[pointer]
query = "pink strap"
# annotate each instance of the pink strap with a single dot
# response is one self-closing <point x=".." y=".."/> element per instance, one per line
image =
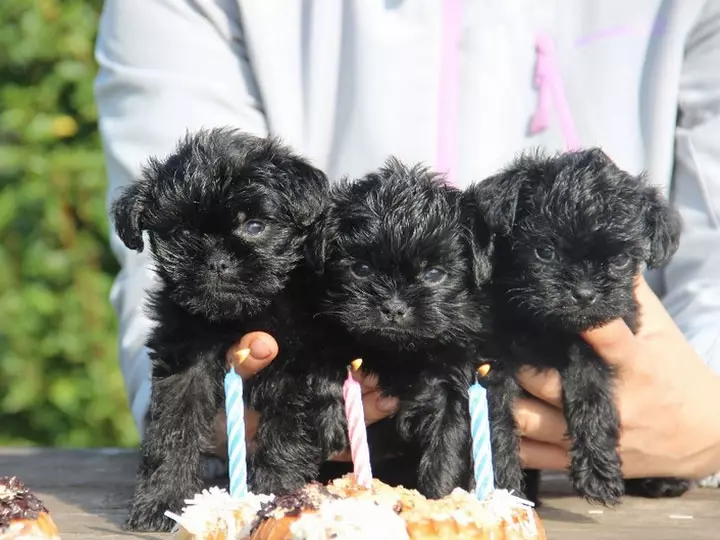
<point x="541" y="119"/>
<point x="551" y="91"/>
<point x="448" y="91"/>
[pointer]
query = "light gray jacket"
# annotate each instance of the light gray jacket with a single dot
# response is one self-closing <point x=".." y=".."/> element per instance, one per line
<point x="461" y="84"/>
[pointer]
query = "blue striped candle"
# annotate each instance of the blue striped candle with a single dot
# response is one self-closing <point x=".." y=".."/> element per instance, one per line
<point x="481" y="450"/>
<point x="235" y="411"/>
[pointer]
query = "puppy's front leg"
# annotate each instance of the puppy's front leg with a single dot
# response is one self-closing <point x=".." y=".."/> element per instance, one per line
<point x="180" y="424"/>
<point x="502" y="391"/>
<point x="593" y="426"/>
<point x="437" y="417"/>
<point x="295" y="437"/>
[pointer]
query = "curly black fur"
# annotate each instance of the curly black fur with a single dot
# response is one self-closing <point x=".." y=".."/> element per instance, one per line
<point x="396" y="275"/>
<point x="572" y="231"/>
<point x="299" y="396"/>
<point x="227" y="215"/>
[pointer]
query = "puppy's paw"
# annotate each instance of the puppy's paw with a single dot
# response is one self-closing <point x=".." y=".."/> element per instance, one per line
<point x="149" y="518"/>
<point x="431" y="491"/>
<point x="657" y="488"/>
<point x="511" y="478"/>
<point x="269" y="480"/>
<point x="597" y="487"/>
<point x="596" y="474"/>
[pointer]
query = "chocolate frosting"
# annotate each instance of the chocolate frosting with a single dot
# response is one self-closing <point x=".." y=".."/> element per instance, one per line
<point x="293" y="504"/>
<point x="17" y="502"/>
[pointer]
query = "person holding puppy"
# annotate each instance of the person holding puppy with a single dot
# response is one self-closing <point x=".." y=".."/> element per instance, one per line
<point x="463" y="87"/>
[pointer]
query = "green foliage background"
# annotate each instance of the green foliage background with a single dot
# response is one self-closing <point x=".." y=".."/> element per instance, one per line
<point x="60" y="383"/>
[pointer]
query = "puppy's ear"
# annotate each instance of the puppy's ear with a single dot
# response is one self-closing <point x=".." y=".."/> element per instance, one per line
<point x="479" y="238"/>
<point x="303" y="186"/>
<point x="128" y="213"/>
<point x="311" y="193"/>
<point x="496" y="200"/>
<point x="663" y="227"/>
<point x="315" y="245"/>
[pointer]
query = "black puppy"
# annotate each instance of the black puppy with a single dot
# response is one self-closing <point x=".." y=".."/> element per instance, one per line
<point x="396" y="273"/>
<point x="227" y="215"/>
<point x="572" y="232"/>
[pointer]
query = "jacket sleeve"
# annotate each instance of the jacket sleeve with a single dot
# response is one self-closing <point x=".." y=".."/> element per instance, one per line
<point x="166" y="67"/>
<point x="693" y="278"/>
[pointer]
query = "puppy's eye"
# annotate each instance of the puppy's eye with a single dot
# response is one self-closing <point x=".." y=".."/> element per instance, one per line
<point x="434" y="276"/>
<point x="545" y="254"/>
<point x="254" y="227"/>
<point x="182" y="232"/>
<point x="361" y="269"/>
<point x="621" y="262"/>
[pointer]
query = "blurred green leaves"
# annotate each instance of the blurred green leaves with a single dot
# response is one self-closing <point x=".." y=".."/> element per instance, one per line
<point x="59" y="377"/>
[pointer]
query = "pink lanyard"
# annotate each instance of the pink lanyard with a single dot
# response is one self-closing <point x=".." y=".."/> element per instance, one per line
<point x="449" y="90"/>
<point x="551" y="92"/>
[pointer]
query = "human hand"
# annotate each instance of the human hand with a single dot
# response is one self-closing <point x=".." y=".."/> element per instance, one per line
<point x="666" y="398"/>
<point x="263" y="350"/>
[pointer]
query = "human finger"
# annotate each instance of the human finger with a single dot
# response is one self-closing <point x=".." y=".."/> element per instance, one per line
<point x="614" y="342"/>
<point x="541" y="422"/>
<point x="345" y="455"/>
<point x="368" y="381"/>
<point x="543" y="384"/>
<point x="539" y="455"/>
<point x="252" y="420"/>
<point x="376" y="406"/>
<point x="252" y="353"/>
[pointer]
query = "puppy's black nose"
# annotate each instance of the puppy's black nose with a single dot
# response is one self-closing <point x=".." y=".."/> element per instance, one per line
<point x="395" y="310"/>
<point x="219" y="265"/>
<point x="585" y="295"/>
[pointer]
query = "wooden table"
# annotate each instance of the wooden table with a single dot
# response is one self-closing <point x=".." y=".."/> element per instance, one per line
<point x="87" y="492"/>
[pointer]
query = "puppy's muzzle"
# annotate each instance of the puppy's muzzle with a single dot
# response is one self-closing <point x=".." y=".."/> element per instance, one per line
<point x="394" y="311"/>
<point x="584" y="295"/>
<point x="221" y="266"/>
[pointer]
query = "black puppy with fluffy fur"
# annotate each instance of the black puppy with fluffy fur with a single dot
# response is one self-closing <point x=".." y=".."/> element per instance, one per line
<point x="572" y="232"/>
<point x="396" y="275"/>
<point x="227" y="215"/>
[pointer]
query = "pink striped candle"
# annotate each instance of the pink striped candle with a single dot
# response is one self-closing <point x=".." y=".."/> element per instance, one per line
<point x="352" y="393"/>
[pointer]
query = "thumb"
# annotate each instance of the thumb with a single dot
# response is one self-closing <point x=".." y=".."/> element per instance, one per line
<point x="252" y="353"/>
<point x="615" y="343"/>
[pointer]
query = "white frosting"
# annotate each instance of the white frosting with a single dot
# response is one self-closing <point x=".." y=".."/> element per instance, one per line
<point x="502" y="503"/>
<point x="350" y="519"/>
<point x="214" y="511"/>
<point x="500" y="506"/>
<point x="6" y="494"/>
